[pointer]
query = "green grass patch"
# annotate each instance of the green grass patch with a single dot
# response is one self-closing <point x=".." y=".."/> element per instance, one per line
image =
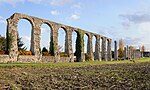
<point x="73" y="64"/>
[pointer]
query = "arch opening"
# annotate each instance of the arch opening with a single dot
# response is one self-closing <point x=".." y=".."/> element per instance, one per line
<point x="94" y="46"/>
<point x="85" y="42"/>
<point x="107" y="51"/>
<point x="45" y="39"/>
<point x="24" y="34"/>
<point x="61" y="42"/>
<point x="74" y="38"/>
<point x="101" y="47"/>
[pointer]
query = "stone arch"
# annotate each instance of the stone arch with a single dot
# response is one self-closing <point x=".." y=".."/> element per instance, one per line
<point x="62" y="36"/>
<point x="74" y="45"/>
<point x="86" y="36"/>
<point x="89" y="47"/>
<point x="107" y="48"/>
<point x="79" y="53"/>
<point x="45" y="29"/>
<point x="25" y="37"/>
<point x="19" y="17"/>
<point x="74" y="37"/>
<point x="101" y="39"/>
<point x="94" y="38"/>
<point x="97" y="54"/>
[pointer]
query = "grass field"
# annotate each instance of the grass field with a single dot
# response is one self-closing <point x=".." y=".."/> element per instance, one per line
<point x="82" y="75"/>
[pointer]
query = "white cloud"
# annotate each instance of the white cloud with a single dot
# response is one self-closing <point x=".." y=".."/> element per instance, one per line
<point x="55" y="12"/>
<point x="2" y="20"/>
<point x="141" y="23"/>
<point x="12" y="2"/>
<point x="51" y="2"/>
<point x="78" y="5"/>
<point x="26" y="38"/>
<point x="137" y="18"/>
<point x="75" y="16"/>
<point x="60" y="2"/>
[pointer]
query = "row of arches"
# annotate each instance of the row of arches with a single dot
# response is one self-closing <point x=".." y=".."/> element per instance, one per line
<point x="51" y="35"/>
<point x="25" y="29"/>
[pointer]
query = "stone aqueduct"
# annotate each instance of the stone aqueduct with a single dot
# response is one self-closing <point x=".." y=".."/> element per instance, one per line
<point x="35" y="42"/>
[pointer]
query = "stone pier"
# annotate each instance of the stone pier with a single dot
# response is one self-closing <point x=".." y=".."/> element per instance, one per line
<point x="125" y="53"/>
<point x="115" y="51"/>
<point x="104" y="52"/>
<point x="109" y="55"/>
<point x="97" y="55"/>
<point x="90" y="47"/>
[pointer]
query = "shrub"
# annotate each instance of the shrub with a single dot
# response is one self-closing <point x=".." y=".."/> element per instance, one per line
<point x="87" y="57"/>
<point x="64" y="55"/>
<point x="20" y="52"/>
<point x="46" y="54"/>
<point x="3" y="52"/>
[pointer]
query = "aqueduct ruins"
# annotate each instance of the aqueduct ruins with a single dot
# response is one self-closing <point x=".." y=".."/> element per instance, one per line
<point x="12" y="47"/>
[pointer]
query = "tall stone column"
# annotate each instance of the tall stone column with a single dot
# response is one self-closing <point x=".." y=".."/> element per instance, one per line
<point x="97" y="49"/>
<point x="80" y="56"/>
<point x="127" y="49"/>
<point x="54" y="43"/>
<point x="115" y="51"/>
<point x="130" y="53"/>
<point x="12" y="46"/>
<point x="109" y="55"/>
<point x="68" y="45"/>
<point x="104" y="56"/>
<point x="35" y="38"/>
<point x="125" y="53"/>
<point x="90" y="47"/>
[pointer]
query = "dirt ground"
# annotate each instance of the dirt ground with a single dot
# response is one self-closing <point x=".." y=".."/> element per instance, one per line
<point x="134" y="76"/>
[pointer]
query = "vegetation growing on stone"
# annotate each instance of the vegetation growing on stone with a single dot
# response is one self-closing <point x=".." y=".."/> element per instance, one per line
<point x="52" y="47"/>
<point x="79" y="43"/>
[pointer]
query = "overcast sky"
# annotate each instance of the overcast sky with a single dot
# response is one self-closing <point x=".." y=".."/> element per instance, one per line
<point x="126" y="19"/>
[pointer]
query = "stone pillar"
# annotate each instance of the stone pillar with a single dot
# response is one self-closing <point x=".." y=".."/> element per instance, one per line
<point x="127" y="49"/>
<point x="90" y="47"/>
<point x="109" y="55"/>
<point x="125" y="53"/>
<point x="54" y="43"/>
<point x="104" y="56"/>
<point x="130" y="53"/>
<point x="35" y="38"/>
<point x="134" y="54"/>
<point x="68" y="45"/>
<point x="97" y="49"/>
<point x="12" y="46"/>
<point x="115" y="51"/>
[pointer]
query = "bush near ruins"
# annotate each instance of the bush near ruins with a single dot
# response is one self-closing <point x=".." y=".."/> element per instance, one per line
<point x="87" y="57"/>
<point x="21" y="52"/>
<point x="63" y="54"/>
